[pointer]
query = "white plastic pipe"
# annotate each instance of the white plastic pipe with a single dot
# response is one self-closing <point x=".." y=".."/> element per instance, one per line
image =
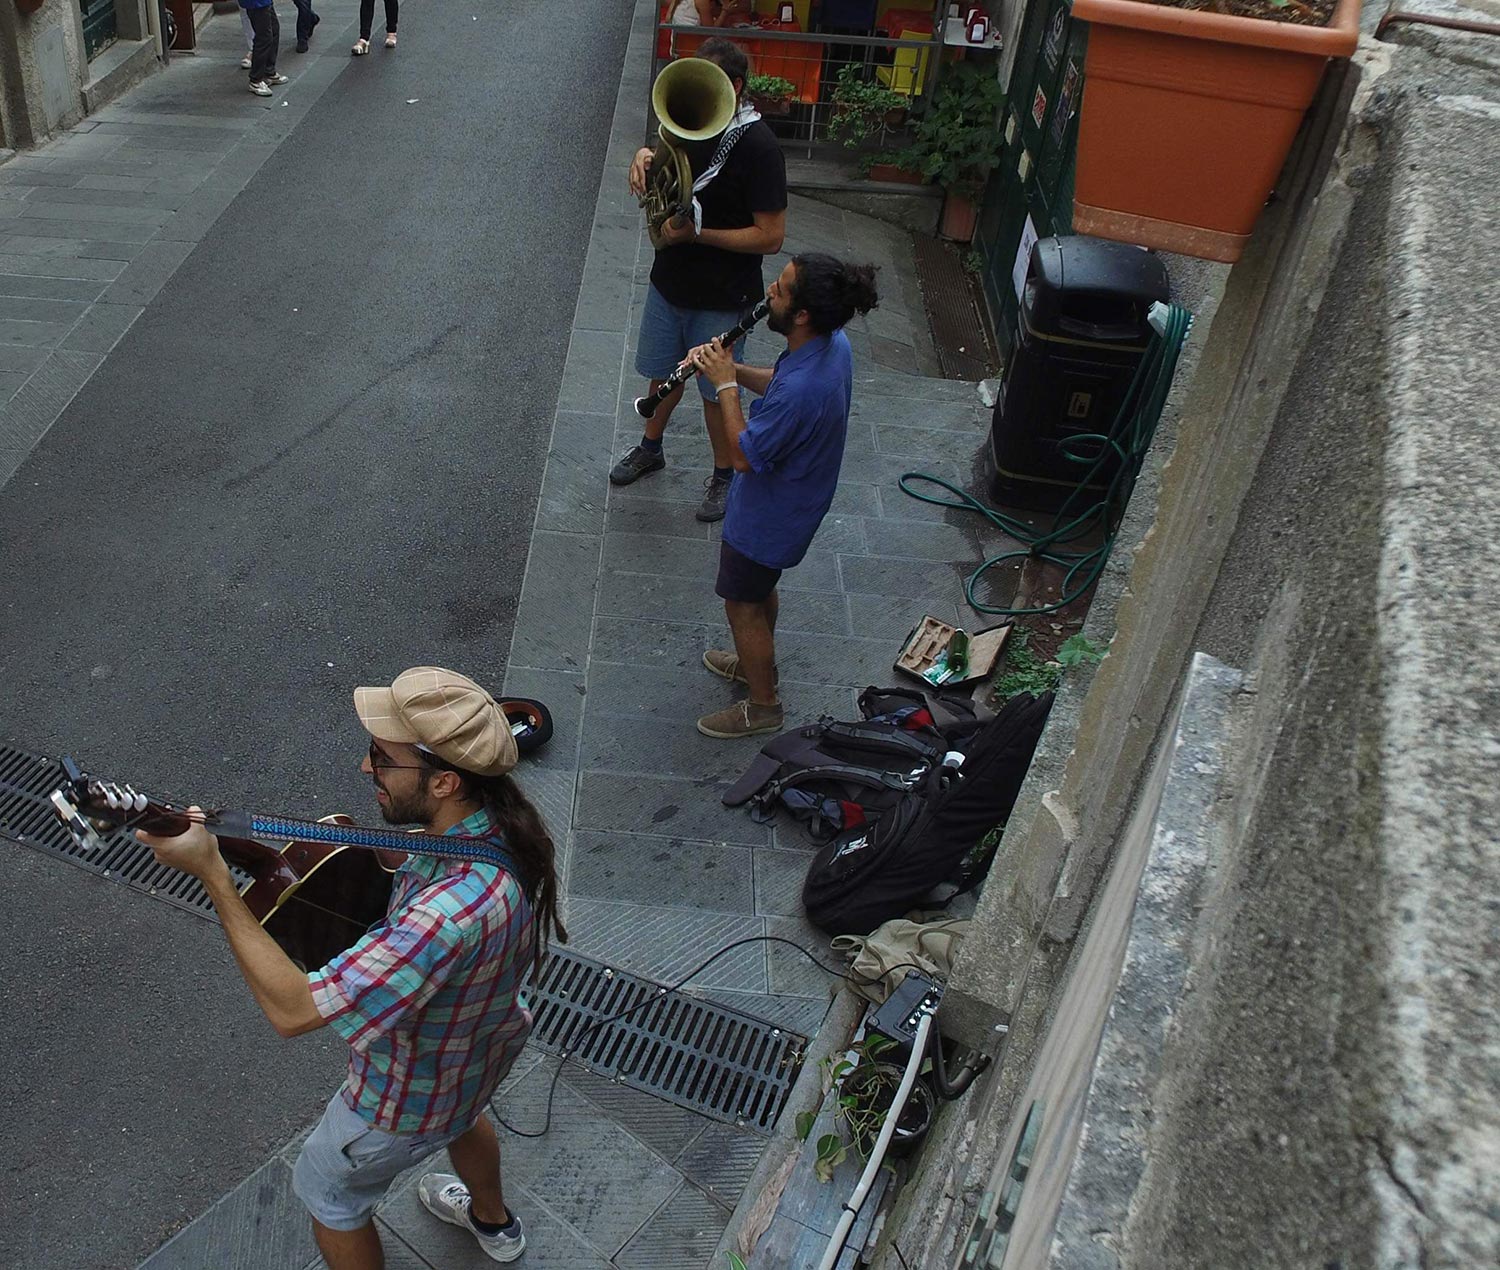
<point x="882" y="1143"/>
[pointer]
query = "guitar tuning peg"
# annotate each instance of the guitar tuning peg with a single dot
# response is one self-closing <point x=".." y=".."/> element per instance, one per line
<point x="141" y="802"/>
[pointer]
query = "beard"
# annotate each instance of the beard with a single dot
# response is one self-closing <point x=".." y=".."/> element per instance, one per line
<point x="413" y="809"/>
<point x="778" y="322"/>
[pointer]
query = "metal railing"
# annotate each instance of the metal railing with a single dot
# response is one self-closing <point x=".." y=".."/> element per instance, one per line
<point x="851" y="96"/>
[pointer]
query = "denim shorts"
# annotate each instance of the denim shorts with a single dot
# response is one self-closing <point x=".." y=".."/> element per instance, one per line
<point x="347" y="1164"/>
<point x="667" y="333"/>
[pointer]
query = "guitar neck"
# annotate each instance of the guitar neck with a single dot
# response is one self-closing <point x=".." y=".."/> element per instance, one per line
<point x="258" y="828"/>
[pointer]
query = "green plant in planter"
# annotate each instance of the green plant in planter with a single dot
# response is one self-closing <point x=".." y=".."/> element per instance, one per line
<point x="858" y="1115"/>
<point x="860" y="107"/>
<point x="957" y="142"/>
<point x="771" y="89"/>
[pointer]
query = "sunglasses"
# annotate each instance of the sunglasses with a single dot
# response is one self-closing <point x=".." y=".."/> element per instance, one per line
<point x="379" y="760"/>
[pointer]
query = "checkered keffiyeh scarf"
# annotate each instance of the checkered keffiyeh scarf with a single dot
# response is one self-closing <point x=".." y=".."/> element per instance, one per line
<point x="743" y="118"/>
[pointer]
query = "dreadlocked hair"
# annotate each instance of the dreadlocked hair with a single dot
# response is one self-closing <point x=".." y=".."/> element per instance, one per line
<point x="530" y="845"/>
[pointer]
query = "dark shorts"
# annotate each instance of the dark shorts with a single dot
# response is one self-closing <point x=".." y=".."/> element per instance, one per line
<point x="743" y="579"/>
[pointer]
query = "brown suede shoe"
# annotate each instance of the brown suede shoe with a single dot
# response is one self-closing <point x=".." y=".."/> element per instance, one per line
<point x="727" y="666"/>
<point x="743" y="718"/>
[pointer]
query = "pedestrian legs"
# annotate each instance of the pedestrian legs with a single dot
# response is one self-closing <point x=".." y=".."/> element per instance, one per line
<point x="306" y="20"/>
<point x="754" y="630"/>
<point x="267" y="42"/>
<point x="367" y="16"/>
<point x="350" y="1249"/>
<point x="476" y="1159"/>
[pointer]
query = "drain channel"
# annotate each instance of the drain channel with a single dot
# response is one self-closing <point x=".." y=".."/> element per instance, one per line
<point x="718" y="1062"/>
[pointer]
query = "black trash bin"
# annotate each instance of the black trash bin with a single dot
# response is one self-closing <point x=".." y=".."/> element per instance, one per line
<point x="1081" y="336"/>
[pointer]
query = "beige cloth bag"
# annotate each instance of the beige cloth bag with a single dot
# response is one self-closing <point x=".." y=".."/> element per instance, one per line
<point x="878" y="962"/>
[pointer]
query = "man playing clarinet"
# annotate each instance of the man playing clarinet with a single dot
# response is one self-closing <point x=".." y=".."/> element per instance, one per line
<point x="786" y="455"/>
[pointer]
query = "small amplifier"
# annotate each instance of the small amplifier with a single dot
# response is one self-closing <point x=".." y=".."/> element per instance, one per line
<point x="902" y="1012"/>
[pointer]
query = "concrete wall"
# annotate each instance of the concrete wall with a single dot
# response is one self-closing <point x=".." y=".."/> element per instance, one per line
<point x="47" y="84"/>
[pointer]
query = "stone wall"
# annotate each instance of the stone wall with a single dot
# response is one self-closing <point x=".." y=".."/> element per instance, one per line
<point x="1310" y="1079"/>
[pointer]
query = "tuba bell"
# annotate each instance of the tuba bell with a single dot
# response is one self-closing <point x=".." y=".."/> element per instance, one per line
<point x="694" y="101"/>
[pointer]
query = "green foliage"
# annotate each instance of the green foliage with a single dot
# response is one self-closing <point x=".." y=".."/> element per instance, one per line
<point x="973" y="263"/>
<point x="1023" y="671"/>
<point x="860" y="106"/>
<point x="769" y="86"/>
<point x="1079" y="650"/>
<point x="958" y="141"/>
<point x="857" y="1112"/>
<point x="734" y="1262"/>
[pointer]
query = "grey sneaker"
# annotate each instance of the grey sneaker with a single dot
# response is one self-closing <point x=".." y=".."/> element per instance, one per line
<point x="743" y="718"/>
<point x="260" y="88"/>
<point x="273" y="79"/>
<point x="447" y="1199"/>
<point x="715" y="495"/>
<point x="638" y="462"/>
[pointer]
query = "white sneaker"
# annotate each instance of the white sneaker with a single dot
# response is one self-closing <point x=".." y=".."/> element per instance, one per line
<point x="447" y="1199"/>
<point x="274" y="78"/>
<point x="246" y="62"/>
<point x="260" y="88"/>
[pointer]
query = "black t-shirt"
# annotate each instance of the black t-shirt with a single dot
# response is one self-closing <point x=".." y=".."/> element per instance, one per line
<point x="753" y="179"/>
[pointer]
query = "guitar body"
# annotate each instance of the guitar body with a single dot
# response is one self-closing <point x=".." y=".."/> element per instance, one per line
<point x="324" y="899"/>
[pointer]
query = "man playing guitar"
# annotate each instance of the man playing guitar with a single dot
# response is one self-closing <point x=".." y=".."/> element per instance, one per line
<point x="429" y="999"/>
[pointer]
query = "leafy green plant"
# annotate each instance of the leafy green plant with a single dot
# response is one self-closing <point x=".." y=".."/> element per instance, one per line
<point x="734" y="1262"/>
<point x="860" y="1112"/>
<point x="860" y="106"/>
<point x="973" y="263"/>
<point x="1023" y="671"/>
<point x="957" y="142"/>
<point x="770" y="86"/>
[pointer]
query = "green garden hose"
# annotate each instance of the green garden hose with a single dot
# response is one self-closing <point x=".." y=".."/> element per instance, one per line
<point x="1128" y="440"/>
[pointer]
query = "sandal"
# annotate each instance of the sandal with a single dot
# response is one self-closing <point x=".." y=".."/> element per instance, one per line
<point x="361" y="47"/>
<point x="390" y="39"/>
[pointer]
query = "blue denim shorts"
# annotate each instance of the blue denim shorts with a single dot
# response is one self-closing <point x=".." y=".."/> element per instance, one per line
<point x="667" y="333"/>
<point x="347" y="1164"/>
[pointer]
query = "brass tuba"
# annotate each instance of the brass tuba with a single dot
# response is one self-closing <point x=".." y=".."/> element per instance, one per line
<point x="694" y="101"/>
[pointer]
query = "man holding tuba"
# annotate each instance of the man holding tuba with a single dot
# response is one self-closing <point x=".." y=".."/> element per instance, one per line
<point x="715" y="199"/>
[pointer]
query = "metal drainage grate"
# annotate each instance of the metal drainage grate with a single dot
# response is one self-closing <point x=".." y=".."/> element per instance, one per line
<point x="958" y="326"/>
<point x="716" y="1061"/>
<point x="26" y="781"/>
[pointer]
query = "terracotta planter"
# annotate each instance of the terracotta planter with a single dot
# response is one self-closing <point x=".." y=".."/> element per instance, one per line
<point x="960" y="216"/>
<point x="1187" y="118"/>
<point x="890" y="172"/>
<point x="775" y="106"/>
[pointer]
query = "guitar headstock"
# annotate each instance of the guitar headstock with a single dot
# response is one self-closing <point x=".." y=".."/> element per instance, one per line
<point x="85" y="804"/>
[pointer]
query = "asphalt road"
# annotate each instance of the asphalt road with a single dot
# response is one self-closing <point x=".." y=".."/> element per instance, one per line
<point x="313" y="461"/>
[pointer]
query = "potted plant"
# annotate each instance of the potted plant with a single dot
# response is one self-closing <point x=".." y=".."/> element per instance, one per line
<point x="771" y="94"/>
<point x="886" y="166"/>
<point x="864" y="1088"/>
<point x="957" y="143"/>
<point x="1188" y="115"/>
<point x="862" y="107"/>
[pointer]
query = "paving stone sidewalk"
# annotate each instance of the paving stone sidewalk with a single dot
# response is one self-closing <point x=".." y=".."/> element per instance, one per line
<point x="616" y="610"/>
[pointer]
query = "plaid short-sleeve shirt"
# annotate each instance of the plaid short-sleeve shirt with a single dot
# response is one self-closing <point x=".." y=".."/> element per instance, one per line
<point x="430" y="999"/>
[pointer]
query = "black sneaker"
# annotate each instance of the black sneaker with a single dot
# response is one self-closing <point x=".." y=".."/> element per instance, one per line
<point x="638" y="462"/>
<point x="715" y="495"/>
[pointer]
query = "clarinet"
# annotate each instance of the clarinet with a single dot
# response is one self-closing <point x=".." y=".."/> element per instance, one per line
<point x="646" y="406"/>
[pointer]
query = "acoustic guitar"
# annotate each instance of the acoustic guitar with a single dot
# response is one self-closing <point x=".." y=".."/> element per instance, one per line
<point x="316" y="886"/>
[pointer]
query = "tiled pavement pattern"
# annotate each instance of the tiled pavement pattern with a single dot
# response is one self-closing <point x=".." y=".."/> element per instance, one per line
<point x="618" y="608"/>
<point x="93" y="224"/>
<point x="616" y="611"/>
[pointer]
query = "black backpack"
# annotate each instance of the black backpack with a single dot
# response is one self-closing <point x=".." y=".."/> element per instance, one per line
<point x="872" y="873"/>
<point x="833" y="776"/>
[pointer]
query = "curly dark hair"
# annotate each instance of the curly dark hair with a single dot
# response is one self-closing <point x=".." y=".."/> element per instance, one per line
<point x="831" y="291"/>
